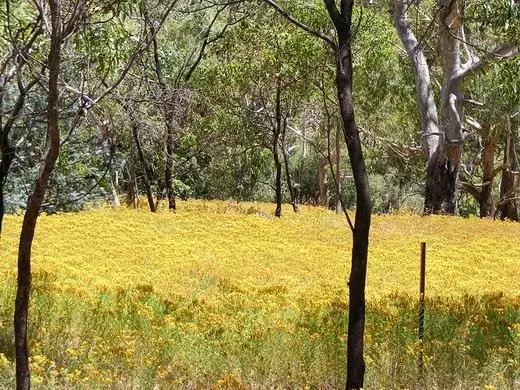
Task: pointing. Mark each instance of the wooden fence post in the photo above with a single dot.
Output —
(422, 308)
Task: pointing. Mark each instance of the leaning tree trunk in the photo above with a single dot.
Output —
(34, 204)
(342, 20)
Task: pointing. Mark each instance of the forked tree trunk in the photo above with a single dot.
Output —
(34, 204)
(342, 20)
(442, 138)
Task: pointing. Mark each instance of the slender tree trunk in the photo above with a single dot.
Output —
(287, 170)
(507, 207)
(168, 120)
(342, 20)
(168, 170)
(115, 197)
(276, 138)
(142, 160)
(322, 174)
(339, 208)
(488, 167)
(34, 204)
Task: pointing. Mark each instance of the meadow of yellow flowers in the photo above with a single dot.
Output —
(223, 295)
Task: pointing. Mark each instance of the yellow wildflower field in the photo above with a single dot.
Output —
(224, 295)
(243, 246)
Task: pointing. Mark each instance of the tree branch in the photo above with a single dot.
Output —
(301, 25)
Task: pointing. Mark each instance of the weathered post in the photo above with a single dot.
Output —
(422, 308)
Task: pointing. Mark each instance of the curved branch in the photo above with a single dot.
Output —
(301, 25)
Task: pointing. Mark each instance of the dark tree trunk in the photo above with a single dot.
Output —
(34, 204)
(168, 170)
(278, 181)
(342, 20)
(131, 196)
(441, 184)
(276, 138)
(507, 207)
(142, 160)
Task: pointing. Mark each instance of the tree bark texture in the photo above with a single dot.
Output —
(342, 20)
(34, 204)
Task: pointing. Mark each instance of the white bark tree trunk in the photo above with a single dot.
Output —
(443, 135)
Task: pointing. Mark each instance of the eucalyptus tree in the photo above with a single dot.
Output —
(341, 47)
(443, 125)
(270, 90)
